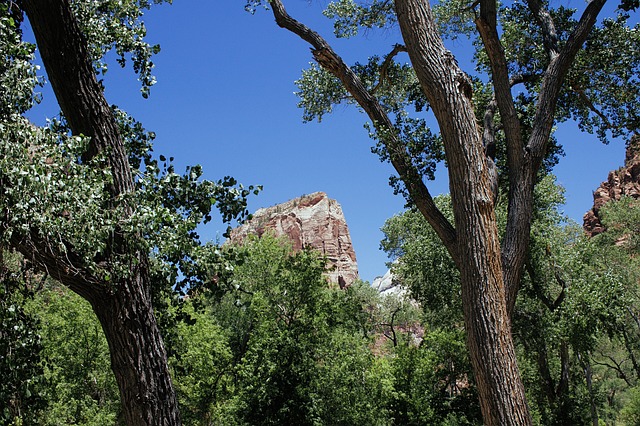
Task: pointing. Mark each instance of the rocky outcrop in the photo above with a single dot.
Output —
(388, 284)
(311, 221)
(624, 181)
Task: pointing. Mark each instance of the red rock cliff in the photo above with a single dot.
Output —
(311, 221)
(624, 181)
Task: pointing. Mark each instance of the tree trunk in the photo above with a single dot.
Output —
(586, 369)
(501, 392)
(123, 307)
(138, 357)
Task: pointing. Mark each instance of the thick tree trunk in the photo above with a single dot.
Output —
(487, 322)
(123, 307)
(138, 357)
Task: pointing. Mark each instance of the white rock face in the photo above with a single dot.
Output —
(387, 284)
(311, 221)
(384, 282)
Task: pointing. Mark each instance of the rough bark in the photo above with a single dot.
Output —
(123, 307)
(138, 357)
(524, 161)
(502, 396)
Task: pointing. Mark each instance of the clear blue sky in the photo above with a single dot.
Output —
(224, 99)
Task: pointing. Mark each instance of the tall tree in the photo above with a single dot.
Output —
(78, 203)
(537, 47)
(124, 309)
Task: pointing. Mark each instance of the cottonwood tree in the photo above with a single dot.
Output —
(83, 200)
(539, 73)
(572, 316)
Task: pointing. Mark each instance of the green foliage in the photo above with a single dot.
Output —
(304, 353)
(349, 16)
(432, 382)
(577, 309)
(601, 66)
(48, 190)
(80, 387)
(601, 89)
(117, 25)
(299, 351)
(351, 386)
(18, 76)
(424, 265)
(600, 94)
(630, 414)
(622, 221)
(20, 348)
(201, 363)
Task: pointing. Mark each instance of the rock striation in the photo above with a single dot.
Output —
(622, 182)
(311, 221)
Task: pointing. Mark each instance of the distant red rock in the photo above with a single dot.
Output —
(311, 221)
(624, 181)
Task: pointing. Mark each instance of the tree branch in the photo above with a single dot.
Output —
(400, 159)
(70, 71)
(520, 182)
(486, 24)
(553, 80)
(523, 170)
(584, 98)
(629, 346)
(63, 265)
(488, 135)
(385, 66)
(617, 367)
(547, 26)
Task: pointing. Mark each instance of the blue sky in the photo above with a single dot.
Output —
(225, 100)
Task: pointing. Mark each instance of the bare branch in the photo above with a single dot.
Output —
(563, 383)
(400, 159)
(615, 366)
(585, 99)
(385, 66)
(552, 306)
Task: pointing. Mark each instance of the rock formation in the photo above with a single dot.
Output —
(624, 181)
(311, 221)
(388, 284)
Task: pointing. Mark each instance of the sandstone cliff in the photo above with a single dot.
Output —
(624, 181)
(311, 221)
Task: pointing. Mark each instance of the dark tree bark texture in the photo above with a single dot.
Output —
(123, 307)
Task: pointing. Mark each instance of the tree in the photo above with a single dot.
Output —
(85, 202)
(202, 366)
(299, 354)
(80, 387)
(20, 348)
(529, 45)
(573, 322)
